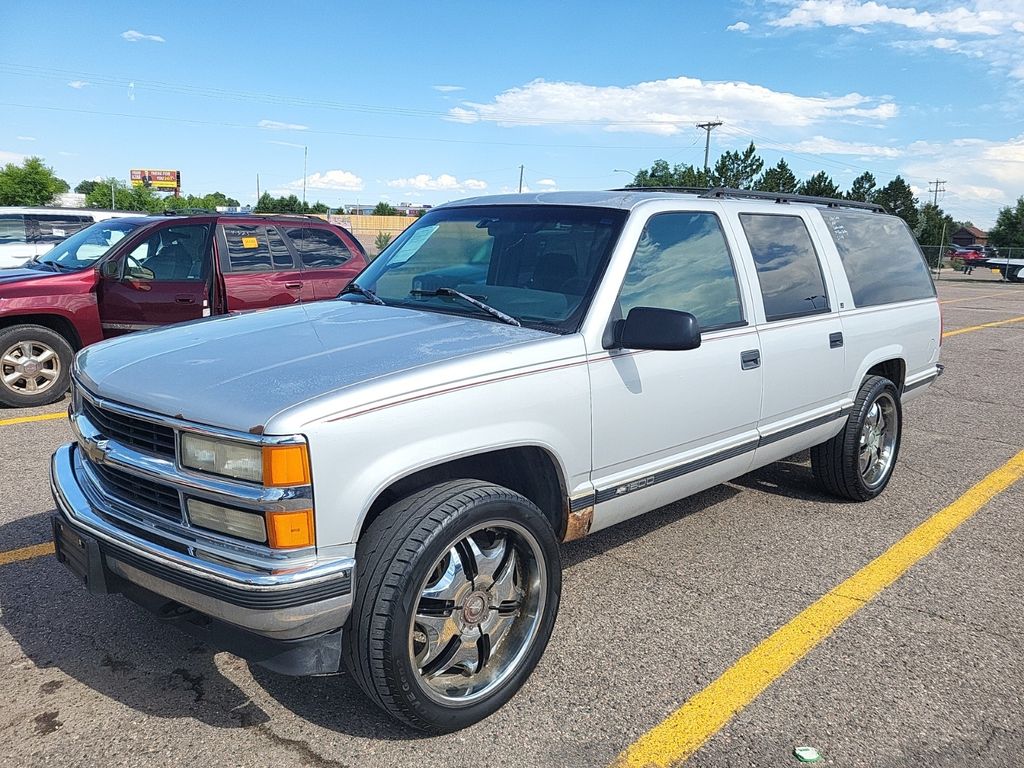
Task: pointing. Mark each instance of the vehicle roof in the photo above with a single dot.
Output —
(627, 199)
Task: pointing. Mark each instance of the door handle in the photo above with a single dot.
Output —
(835, 340)
(293, 286)
(185, 299)
(750, 359)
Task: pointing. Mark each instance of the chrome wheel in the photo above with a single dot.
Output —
(478, 613)
(878, 440)
(29, 367)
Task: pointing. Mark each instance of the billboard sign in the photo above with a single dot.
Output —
(156, 179)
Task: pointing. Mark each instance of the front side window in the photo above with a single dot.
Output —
(254, 248)
(319, 248)
(176, 253)
(52, 229)
(882, 260)
(682, 262)
(791, 280)
(12, 229)
(538, 263)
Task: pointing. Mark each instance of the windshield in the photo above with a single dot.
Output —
(83, 248)
(537, 263)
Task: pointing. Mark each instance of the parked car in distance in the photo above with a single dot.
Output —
(140, 272)
(382, 481)
(29, 232)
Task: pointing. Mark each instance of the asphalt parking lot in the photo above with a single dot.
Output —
(930, 672)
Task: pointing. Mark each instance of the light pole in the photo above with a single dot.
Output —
(620, 170)
(112, 207)
(305, 157)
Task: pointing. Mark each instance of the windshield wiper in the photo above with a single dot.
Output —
(366, 293)
(496, 313)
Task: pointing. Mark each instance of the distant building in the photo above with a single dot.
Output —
(969, 236)
(69, 200)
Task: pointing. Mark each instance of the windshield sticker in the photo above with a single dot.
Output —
(413, 244)
(250, 242)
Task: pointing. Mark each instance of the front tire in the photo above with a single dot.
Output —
(857, 463)
(35, 366)
(457, 592)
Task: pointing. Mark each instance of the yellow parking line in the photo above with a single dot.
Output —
(958, 331)
(972, 298)
(26, 553)
(684, 731)
(27, 419)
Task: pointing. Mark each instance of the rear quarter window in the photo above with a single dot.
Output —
(254, 248)
(880, 256)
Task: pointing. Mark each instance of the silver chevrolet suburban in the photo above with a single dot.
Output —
(381, 482)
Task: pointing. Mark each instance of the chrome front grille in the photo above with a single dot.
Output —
(140, 492)
(133, 432)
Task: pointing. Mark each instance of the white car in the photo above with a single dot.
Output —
(383, 480)
(29, 232)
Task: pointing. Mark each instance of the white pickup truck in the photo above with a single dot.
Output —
(381, 482)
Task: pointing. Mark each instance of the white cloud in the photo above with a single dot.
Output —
(275, 125)
(337, 179)
(849, 13)
(444, 182)
(739, 26)
(11, 157)
(25, 138)
(286, 144)
(821, 145)
(447, 88)
(666, 107)
(77, 84)
(134, 36)
(981, 175)
(547, 183)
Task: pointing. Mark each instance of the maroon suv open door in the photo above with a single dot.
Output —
(161, 279)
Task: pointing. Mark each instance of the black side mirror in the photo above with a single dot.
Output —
(652, 328)
(111, 270)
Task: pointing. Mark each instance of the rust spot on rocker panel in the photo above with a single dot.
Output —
(578, 523)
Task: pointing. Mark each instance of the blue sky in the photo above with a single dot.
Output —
(432, 102)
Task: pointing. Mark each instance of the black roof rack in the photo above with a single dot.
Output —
(303, 216)
(753, 194)
(189, 212)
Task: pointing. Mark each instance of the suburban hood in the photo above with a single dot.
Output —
(238, 372)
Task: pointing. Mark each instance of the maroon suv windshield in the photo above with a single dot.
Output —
(83, 248)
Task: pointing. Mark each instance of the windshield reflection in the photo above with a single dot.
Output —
(83, 248)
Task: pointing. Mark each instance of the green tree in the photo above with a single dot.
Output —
(934, 225)
(737, 170)
(319, 207)
(86, 186)
(381, 241)
(384, 209)
(898, 199)
(662, 175)
(290, 204)
(778, 178)
(30, 183)
(1009, 229)
(863, 188)
(819, 185)
(126, 197)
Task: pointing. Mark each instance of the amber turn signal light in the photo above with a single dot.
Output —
(289, 530)
(285, 465)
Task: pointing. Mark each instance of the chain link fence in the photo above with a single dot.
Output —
(945, 263)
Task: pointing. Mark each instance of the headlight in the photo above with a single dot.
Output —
(274, 466)
(222, 457)
(233, 522)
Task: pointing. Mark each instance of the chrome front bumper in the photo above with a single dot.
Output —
(282, 605)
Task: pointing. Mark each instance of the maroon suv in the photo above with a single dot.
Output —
(134, 273)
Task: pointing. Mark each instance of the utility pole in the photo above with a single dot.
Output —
(112, 206)
(520, 179)
(938, 184)
(708, 127)
(257, 189)
(305, 155)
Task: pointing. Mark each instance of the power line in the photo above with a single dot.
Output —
(708, 127)
(939, 185)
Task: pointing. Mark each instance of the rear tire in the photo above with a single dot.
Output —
(857, 463)
(456, 596)
(35, 366)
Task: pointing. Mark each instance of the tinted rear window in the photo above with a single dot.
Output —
(253, 248)
(787, 265)
(319, 248)
(12, 228)
(881, 258)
